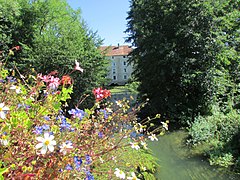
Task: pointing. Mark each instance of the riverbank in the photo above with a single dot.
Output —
(178, 162)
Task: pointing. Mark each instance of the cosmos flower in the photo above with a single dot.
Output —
(3, 110)
(16, 88)
(119, 173)
(135, 145)
(153, 137)
(46, 143)
(66, 146)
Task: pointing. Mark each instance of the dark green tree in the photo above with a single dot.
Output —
(174, 56)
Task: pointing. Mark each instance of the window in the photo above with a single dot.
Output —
(114, 71)
(124, 63)
(124, 56)
(125, 70)
(113, 64)
(114, 77)
(112, 57)
(125, 77)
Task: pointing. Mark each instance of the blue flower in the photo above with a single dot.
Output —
(45, 127)
(89, 176)
(46, 118)
(69, 167)
(77, 161)
(65, 125)
(104, 112)
(38, 130)
(100, 134)
(77, 113)
(88, 159)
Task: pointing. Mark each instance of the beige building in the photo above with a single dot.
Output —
(119, 70)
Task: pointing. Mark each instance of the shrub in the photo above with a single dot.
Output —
(220, 132)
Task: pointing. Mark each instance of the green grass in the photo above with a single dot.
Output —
(119, 89)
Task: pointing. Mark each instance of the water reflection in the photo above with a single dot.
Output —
(177, 162)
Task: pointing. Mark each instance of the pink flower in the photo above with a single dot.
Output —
(100, 93)
(77, 67)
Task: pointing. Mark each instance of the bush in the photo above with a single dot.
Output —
(220, 132)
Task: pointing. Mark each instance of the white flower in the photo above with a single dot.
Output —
(135, 145)
(16, 88)
(77, 67)
(65, 147)
(119, 173)
(46, 142)
(133, 177)
(3, 110)
(139, 128)
(101, 160)
(119, 103)
(144, 144)
(153, 137)
(4, 140)
(165, 125)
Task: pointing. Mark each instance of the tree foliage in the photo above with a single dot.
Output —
(52, 36)
(179, 45)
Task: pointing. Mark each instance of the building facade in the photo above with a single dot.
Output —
(119, 69)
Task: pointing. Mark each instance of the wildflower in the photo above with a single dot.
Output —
(119, 103)
(165, 125)
(16, 88)
(66, 80)
(38, 130)
(17, 48)
(133, 177)
(65, 147)
(4, 141)
(77, 67)
(46, 142)
(139, 128)
(69, 167)
(46, 118)
(119, 173)
(77, 113)
(89, 176)
(3, 110)
(100, 93)
(77, 161)
(64, 124)
(135, 145)
(144, 144)
(53, 83)
(88, 159)
(100, 134)
(101, 159)
(153, 137)
(104, 112)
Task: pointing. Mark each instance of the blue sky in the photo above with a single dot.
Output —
(107, 17)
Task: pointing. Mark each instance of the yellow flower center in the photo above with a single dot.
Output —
(0, 109)
(47, 142)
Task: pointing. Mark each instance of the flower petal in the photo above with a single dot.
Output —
(39, 145)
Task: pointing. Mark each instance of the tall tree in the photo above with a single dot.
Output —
(53, 35)
(174, 56)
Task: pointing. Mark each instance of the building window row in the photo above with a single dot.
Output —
(124, 77)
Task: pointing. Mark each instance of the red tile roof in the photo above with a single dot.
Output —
(116, 50)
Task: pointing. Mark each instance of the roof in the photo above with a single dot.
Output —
(116, 50)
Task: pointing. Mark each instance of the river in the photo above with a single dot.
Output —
(178, 162)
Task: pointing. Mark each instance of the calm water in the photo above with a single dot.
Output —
(177, 162)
